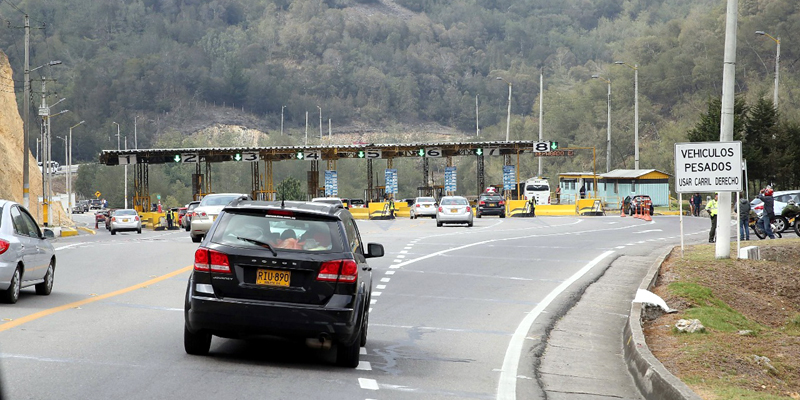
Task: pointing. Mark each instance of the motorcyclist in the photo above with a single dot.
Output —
(769, 211)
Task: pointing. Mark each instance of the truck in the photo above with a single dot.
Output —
(538, 189)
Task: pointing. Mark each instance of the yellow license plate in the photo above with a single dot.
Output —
(427, 205)
(272, 277)
(453, 210)
(125, 220)
(491, 204)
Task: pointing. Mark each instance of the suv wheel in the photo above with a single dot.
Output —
(364, 327)
(197, 239)
(113, 232)
(348, 355)
(196, 344)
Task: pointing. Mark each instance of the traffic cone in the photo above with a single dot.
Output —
(622, 211)
(646, 212)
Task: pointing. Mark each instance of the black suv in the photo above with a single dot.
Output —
(491, 205)
(289, 269)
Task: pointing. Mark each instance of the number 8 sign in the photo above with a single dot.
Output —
(541, 147)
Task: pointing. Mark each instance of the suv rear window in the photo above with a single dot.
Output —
(491, 198)
(538, 188)
(295, 233)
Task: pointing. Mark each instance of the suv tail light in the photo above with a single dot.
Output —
(483, 203)
(4, 246)
(501, 202)
(206, 260)
(338, 270)
(416, 205)
(440, 208)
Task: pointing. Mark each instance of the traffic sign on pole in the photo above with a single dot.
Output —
(708, 167)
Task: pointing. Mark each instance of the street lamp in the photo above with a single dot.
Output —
(69, 167)
(508, 117)
(320, 122)
(777, 63)
(608, 140)
(635, 68)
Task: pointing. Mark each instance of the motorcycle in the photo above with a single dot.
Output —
(791, 213)
(776, 222)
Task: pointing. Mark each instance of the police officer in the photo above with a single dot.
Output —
(711, 208)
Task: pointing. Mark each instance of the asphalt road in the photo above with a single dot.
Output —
(456, 312)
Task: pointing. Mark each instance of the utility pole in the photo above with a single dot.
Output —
(306, 143)
(26, 185)
(541, 110)
(44, 112)
(282, 107)
(723, 242)
(135, 136)
(329, 128)
(320, 122)
(477, 124)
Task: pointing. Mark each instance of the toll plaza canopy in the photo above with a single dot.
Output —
(262, 179)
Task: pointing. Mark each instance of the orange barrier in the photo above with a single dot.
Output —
(646, 211)
(622, 209)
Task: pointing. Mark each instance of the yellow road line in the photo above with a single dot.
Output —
(32, 317)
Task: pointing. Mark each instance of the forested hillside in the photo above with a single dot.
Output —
(387, 65)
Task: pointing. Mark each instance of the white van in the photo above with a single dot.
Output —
(539, 189)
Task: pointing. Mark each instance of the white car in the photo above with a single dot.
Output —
(454, 210)
(423, 207)
(125, 219)
(207, 212)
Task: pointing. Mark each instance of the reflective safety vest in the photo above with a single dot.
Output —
(711, 207)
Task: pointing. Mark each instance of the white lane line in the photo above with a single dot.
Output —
(620, 247)
(389, 272)
(372, 301)
(403, 251)
(364, 366)
(370, 310)
(398, 260)
(507, 387)
(368, 384)
(381, 287)
(649, 230)
(362, 351)
(394, 266)
(386, 279)
(376, 294)
(69, 245)
(408, 246)
(400, 256)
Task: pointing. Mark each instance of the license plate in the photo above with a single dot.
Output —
(125, 220)
(453, 210)
(213, 217)
(491, 204)
(272, 277)
(427, 205)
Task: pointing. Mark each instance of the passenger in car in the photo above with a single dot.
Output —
(288, 240)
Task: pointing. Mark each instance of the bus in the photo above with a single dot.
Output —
(538, 189)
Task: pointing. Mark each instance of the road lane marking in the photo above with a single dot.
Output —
(386, 279)
(381, 287)
(364, 366)
(507, 385)
(41, 314)
(368, 384)
(389, 272)
(69, 245)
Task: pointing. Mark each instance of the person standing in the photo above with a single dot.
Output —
(744, 219)
(698, 201)
(558, 194)
(711, 207)
(583, 191)
(769, 211)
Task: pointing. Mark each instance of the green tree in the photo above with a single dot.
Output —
(290, 189)
(759, 145)
(707, 129)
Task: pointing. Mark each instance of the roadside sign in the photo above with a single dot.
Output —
(509, 177)
(450, 174)
(708, 167)
(540, 147)
(390, 177)
(331, 183)
(97, 194)
(493, 151)
(373, 153)
(433, 152)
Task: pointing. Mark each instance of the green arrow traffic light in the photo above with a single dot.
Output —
(479, 151)
(361, 154)
(553, 145)
(421, 152)
(237, 157)
(177, 158)
(299, 155)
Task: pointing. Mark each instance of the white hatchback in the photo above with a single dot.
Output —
(423, 207)
(454, 210)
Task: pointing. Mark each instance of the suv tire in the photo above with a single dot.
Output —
(197, 239)
(348, 355)
(196, 344)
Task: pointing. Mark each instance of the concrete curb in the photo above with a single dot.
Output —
(87, 230)
(66, 231)
(651, 377)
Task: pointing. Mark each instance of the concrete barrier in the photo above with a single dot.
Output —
(652, 379)
(555, 210)
(360, 213)
(87, 230)
(66, 231)
(589, 207)
(750, 253)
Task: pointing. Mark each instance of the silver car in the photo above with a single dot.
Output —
(423, 207)
(207, 211)
(125, 219)
(454, 210)
(26, 256)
